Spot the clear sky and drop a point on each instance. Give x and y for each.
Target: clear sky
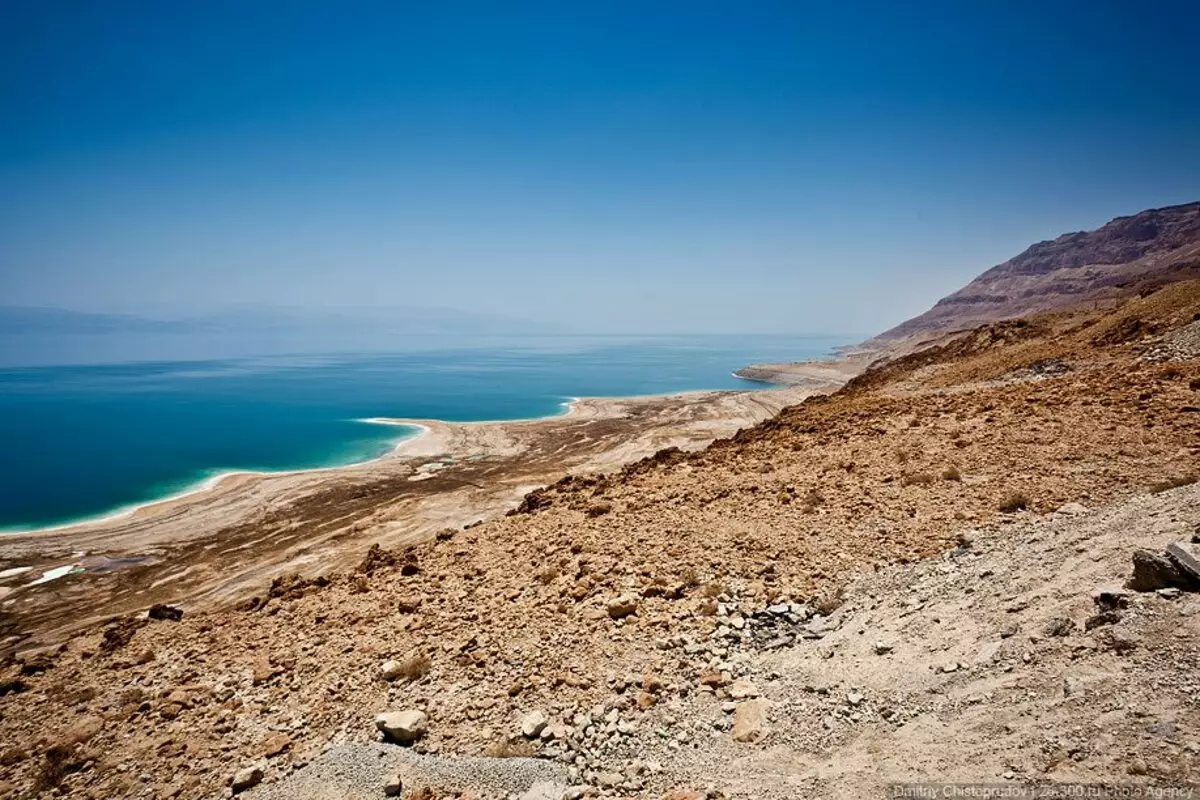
(609, 166)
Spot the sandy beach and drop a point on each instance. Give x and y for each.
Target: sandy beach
(229, 538)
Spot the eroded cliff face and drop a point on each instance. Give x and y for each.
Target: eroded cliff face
(1101, 267)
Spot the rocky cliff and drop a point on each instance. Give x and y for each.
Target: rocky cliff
(1101, 267)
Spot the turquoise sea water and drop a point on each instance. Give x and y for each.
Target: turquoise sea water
(83, 441)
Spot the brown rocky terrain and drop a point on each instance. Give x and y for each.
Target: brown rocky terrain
(893, 582)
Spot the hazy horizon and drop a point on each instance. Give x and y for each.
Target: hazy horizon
(691, 168)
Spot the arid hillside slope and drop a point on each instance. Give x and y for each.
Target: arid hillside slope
(710, 619)
(1100, 267)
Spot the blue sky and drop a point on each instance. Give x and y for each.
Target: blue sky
(606, 166)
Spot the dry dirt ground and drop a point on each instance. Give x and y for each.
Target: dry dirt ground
(877, 585)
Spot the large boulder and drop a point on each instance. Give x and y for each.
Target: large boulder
(1152, 571)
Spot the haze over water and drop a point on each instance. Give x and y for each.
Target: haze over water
(86, 440)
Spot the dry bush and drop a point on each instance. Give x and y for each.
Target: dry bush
(689, 576)
(1016, 501)
(813, 499)
(951, 474)
(1172, 483)
(548, 575)
(902, 455)
(415, 667)
(713, 589)
(58, 762)
(829, 599)
(509, 748)
(917, 479)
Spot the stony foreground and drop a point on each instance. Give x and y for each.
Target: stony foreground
(896, 582)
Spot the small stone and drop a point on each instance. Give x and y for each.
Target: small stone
(1137, 767)
(393, 786)
(1170, 593)
(742, 689)
(1060, 626)
(882, 648)
(391, 670)
(246, 778)
(274, 744)
(160, 611)
(1072, 509)
(403, 727)
(854, 698)
(1119, 641)
(532, 724)
(623, 606)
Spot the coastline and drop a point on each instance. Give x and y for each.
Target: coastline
(221, 479)
(226, 479)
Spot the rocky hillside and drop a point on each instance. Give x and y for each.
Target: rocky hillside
(1100, 267)
(890, 583)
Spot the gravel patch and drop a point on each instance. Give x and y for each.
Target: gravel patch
(353, 771)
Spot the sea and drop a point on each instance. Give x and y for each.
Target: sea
(82, 441)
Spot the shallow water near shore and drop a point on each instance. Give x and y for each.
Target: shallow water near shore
(85, 441)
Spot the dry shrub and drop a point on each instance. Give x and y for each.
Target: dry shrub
(1172, 483)
(547, 576)
(713, 589)
(951, 474)
(813, 499)
(917, 479)
(1015, 501)
(415, 667)
(902, 455)
(689, 576)
(509, 748)
(829, 599)
(58, 762)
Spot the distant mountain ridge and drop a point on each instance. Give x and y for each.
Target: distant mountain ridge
(1121, 258)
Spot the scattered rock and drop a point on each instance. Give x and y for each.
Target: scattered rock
(393, 786)
(160, 611)
(750, 721)
(623, 606)
(742, 689)
(882, 648)
(1185, 557)
(1060, 626)
(247, 778)
(403, 727)
(532, 724)
(274, 744)
(1072, 509)
(1119, 641)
